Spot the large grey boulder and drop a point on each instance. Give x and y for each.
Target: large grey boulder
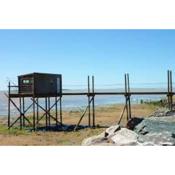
(157, 131)
(102, 139)
(95, 140)
(113, 136)
(153, 131)
(112, 130)
(125, 137)
(156, 125)
(157, 139)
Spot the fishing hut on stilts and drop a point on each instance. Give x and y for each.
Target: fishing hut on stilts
(48, 87)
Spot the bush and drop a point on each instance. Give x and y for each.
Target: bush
(159, 103)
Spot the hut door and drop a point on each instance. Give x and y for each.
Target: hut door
(58, 86)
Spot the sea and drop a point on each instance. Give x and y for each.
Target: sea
(71, 103)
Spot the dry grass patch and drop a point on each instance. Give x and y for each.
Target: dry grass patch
(105, 116)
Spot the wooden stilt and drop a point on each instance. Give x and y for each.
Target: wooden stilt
(81, 118)
(93, 101)
(21, 114)
(168, 95)
(34, 119)
(129, 97)
(171, 90)
(89, 104)
(23, 105)
(49, 122)
(61, 112)
(56, 110)
(46, 108)
(121, 115)
(37, 112)
(9, 106)
(126, 98)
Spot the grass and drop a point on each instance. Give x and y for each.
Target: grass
(14, 131)
(158, 103)
(105, 116)
(17, 137)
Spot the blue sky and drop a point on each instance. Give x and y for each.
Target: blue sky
(107, 54)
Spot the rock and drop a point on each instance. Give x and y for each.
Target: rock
(146, 144)
(95, 140)
(132, 123)
(160, 113)
(103, 144)
(153, 131)
(156, 125)
(163, 113)
(112, 130)
(156, 131)
(170, 113)
(157, 139)
(122, 137)
(125, 137)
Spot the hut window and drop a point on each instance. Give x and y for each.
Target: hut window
(26, 81)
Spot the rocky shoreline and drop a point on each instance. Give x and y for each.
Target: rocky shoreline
(157, 130)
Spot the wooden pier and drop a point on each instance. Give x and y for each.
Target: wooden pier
(57, 105)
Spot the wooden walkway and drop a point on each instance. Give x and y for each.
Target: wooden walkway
(91, 94)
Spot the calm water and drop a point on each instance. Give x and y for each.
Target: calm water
(77, 102)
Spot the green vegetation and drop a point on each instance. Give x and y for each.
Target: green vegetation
(13, 131)
(157, 103)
